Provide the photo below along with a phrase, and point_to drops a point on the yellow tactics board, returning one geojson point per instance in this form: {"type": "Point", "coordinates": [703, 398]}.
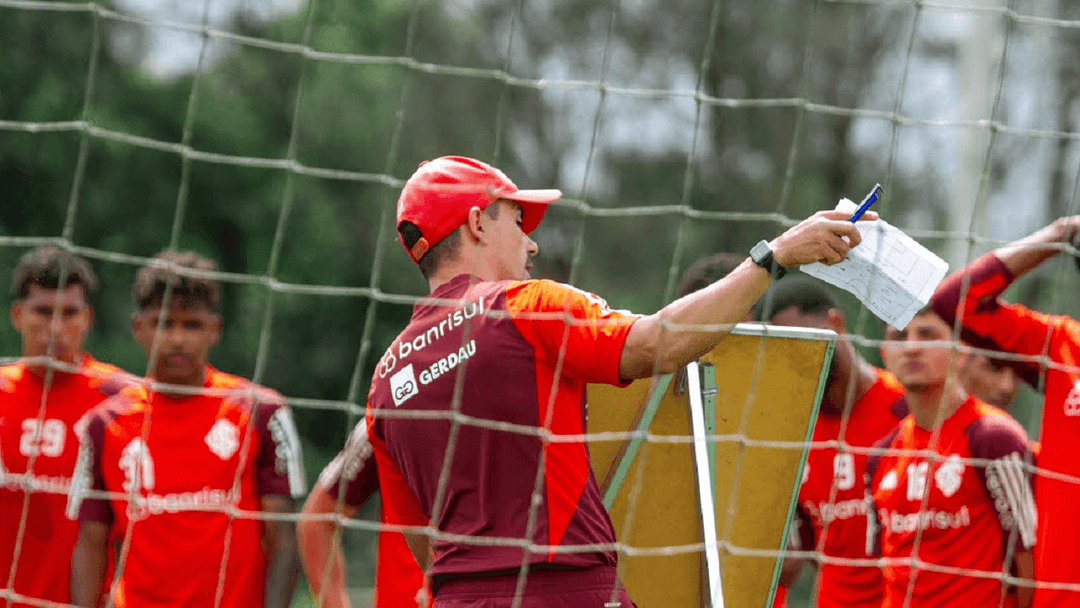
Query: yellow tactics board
{"type": "Point", "coordinates": [738, 423]}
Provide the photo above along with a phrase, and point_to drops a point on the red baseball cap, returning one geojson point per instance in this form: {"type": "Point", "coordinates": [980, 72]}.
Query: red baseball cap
{"type": "Point", "coordinates": [438, 196]}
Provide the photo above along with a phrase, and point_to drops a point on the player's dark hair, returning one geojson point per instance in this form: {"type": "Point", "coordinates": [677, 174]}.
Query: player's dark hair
{"type": "Point", "coordinates": [707, 271]}
{"type": "Point", "coordinates": [51, 267]}
{"type": "Point", "coordinates": [808, 294]}
{"type": "Point", "coordinates": [925, 310]}
{"type": "Point", "coordinates": [446, 249]}
{"type": "Point", "coordinates": [153, 280]}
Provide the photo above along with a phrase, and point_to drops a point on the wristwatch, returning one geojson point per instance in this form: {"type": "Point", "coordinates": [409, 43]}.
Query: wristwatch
{"type": "Point", "coordinates": [762, 255]}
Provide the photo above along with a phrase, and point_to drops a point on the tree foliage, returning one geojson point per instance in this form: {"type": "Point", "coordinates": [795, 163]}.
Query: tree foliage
{"type": "Point", "coordinates": [283, 160]}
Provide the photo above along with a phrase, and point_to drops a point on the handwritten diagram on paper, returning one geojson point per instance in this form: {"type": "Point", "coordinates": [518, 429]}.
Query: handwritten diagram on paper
{"type": "Point", "coordinates": [892, 274]}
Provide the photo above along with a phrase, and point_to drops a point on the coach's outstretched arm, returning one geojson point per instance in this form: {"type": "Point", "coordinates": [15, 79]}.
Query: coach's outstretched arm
{"type": "Point", "coordinates": [692, 325]}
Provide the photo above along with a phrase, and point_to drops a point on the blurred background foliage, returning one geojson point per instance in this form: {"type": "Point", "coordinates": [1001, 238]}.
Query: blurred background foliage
{"type": "Point", "coordinates": [728, 106]}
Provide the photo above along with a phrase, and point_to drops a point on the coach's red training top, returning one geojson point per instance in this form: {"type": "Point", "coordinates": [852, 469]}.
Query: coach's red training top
{"type": "Point", "coordinates": [832, 498]}
{"type": "Point", "coordinates": [176, 465]}
{"type": "Point", "coordinates": [48, 437]}
{"type": "Point", "coordinates": [511, 354]}
{"type": "Point", "coordinates": [397, 577]}
{"type": "Point", "coordinates": [956, 513]}
{"type": "Point", "coordinates": [990, 323]}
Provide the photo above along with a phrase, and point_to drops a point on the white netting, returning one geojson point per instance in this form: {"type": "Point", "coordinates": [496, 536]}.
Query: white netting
{"type": "Point", "coordinates": [757, 116]}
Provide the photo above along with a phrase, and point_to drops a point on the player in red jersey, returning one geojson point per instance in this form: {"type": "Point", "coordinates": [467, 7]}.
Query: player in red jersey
{"type": "Point", "coordinates": [861, 404]}
{"type": "Point", "coordinates": [953, 524]}
{"type": "Point", "coordinates": [467, 405]}
{"type": "Point", "coordinates": [40, 402]}
{"type": "Point", "coordinates": [708, 270]}
{"type": "Point", "coordinates": [990, 380]}
{"type": "Point", "coordinates": [189, 463]}
{"type": "Point", "coordinates": [1050, 349]}
{"type": "Point", "coordinates": [353, 477]}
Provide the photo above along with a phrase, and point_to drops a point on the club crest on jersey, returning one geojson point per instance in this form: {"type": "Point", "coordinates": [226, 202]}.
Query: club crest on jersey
{"type": "Point", "coordinates": [1072, 401]}
{"type": "Point", "coordinates": [949, 475]}
{"type": "Point", "coordinates": [403, 385]}
{"type": "Point", "coordinates": [223, 439]}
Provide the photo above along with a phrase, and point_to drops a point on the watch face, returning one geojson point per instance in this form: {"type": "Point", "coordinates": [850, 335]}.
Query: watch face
{"type": "Point", "coordinates": [761, 252]}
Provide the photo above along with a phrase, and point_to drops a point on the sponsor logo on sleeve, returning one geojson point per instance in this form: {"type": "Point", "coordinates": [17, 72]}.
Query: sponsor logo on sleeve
{"type": "Point", "coordinates": [403, 385]}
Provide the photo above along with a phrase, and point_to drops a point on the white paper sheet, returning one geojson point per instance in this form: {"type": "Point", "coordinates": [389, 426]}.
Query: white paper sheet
{"type": "Point", "coordinates": [892, 274]}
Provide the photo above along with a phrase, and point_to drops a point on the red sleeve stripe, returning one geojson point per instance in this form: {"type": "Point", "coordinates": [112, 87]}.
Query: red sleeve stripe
{"type": "Point", "coordinates": [1018, 507]}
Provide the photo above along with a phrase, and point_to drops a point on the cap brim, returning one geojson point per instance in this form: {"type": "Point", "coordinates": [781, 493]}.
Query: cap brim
{"type": "Point", "coordinates": [542, 197]}
{"type": "Point", "coordinates": [534, 205]}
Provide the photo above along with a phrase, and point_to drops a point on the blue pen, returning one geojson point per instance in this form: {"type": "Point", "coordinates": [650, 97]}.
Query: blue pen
{"type": "Point", "coordinates": [869, 200]}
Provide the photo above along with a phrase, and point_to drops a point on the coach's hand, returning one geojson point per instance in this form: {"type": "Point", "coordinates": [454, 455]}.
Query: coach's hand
{"type": "Point", "coordinates": [819, 238]}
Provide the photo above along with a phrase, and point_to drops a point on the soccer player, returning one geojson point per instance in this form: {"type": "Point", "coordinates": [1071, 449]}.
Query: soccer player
{"type": "Point", "coordinates": [860, 406]}
{"type": "Point", "coordinates": [990, 380]}
{"type": "Point", "coordinates": [468, 405]}
{"type": "Point", "coordinates": [190, 458]}
{"type": "Point", "coordinates": [950, 522]}
{"type": "Point", "coordinates": [40, 402]}
{"type": "Point", "coordinates": [1051, 344]}
{"type": "Point", "coordinates": [707, 271]}
{"type": "Point", "coordinates": [398, 579]}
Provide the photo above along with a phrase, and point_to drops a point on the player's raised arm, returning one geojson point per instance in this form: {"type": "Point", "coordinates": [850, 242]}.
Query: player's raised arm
{"type": "Point", "coordinates": [1031, 251]}
{"type": "Point", "coordinates": [691, 326]}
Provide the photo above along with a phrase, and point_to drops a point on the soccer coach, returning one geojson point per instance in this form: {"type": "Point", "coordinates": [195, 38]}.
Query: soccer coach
{"type": "Point", "coordinates": [468, 405]}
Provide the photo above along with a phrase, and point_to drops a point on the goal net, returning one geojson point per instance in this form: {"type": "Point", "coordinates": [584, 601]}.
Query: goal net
{"type": "Point", "coordinates": [274, 136]}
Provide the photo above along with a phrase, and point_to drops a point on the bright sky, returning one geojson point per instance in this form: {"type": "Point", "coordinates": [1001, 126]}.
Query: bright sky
{"type": "Point", "coordinates": [173, 53]}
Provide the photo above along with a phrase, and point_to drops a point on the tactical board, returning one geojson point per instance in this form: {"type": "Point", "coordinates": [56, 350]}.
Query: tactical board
{"type": "Point", "coordinates": [761, 384]}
